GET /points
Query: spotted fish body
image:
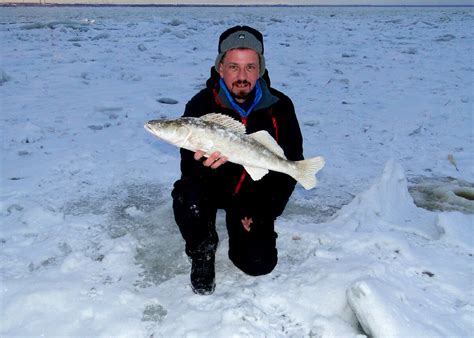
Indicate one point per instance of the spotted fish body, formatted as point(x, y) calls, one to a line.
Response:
point(257, 152)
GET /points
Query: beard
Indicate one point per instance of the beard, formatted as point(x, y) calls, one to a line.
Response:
point(241, 93)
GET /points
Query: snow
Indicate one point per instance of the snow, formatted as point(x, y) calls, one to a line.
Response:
point(382, 247)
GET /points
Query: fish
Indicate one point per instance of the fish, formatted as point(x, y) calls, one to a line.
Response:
point(257, 152)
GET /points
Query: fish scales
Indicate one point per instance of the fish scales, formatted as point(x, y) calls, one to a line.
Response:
point(236, 147)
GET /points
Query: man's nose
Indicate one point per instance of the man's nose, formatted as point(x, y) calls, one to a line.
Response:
point(242, 74)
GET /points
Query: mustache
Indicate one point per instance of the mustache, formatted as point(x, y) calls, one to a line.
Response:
point(241, 82)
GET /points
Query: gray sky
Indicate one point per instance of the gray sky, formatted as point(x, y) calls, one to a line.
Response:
point(343, 2)
point(269, 2)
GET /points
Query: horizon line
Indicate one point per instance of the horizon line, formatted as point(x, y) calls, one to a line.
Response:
point(58, 4)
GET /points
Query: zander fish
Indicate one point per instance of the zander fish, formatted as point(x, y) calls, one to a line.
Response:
point(257, 152)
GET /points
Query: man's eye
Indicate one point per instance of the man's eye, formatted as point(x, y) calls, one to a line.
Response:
point(251, 67)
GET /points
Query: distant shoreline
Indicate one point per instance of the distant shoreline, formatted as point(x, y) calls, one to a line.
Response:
point(36, 4)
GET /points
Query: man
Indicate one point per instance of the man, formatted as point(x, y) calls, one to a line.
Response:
point(239, 87)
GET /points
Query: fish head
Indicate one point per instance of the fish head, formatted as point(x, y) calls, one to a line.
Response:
point(171, 131)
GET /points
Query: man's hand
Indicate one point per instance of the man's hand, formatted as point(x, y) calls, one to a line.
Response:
point(214, 161)
point(246, 222)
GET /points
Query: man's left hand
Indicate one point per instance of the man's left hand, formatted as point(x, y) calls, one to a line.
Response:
point(246, 222)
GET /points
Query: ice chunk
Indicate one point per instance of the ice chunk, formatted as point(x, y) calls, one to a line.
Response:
point(167, 100)
point(384, 311)
point(101, 36)
point(4, 77)
point(456, 228)
point(445, 38)
point(387, 204)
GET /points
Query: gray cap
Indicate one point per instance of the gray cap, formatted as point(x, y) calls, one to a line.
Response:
point(241, 37)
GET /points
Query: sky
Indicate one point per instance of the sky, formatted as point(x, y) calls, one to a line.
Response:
point(260, 2)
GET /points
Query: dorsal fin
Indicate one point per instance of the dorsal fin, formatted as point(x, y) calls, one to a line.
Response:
point(269, 142)
point(225, 121)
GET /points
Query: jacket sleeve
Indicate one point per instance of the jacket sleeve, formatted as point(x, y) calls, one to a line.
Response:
point(191, 168)
point(268, 197)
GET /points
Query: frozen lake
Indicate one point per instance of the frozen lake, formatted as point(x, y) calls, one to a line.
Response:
point(88, 242)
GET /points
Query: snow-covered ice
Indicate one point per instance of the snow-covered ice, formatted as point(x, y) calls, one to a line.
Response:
point(383, 247)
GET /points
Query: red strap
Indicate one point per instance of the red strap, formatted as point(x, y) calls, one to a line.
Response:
point(244, 121)
point(275, 124)
point(216, 97)
point(244, 173)
point(239, 185)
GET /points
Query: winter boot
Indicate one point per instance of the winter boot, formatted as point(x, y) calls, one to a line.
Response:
point(203, 274)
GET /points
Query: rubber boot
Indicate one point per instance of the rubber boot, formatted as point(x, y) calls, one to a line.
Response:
point(203, 274)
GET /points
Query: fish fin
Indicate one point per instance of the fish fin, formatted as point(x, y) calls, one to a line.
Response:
point(264, 138)
point(256, 173)
point(224, 121)
point(307, 170)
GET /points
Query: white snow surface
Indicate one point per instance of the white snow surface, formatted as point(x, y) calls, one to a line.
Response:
point(89, 247)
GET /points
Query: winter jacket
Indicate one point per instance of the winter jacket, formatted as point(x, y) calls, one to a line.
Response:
point(274, 113)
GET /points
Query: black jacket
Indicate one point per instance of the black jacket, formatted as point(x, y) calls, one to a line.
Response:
point(274, 113)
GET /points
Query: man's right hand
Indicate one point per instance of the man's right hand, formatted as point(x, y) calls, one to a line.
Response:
point(214, 161)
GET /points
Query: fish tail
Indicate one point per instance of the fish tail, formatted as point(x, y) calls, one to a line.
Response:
point(307, 169)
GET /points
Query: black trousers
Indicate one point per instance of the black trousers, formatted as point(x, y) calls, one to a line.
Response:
point(195, 207)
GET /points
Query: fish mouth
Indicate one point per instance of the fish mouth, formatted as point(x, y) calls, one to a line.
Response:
point(149, 126)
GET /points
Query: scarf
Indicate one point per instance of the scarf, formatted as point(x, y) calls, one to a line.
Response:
point(244, 113)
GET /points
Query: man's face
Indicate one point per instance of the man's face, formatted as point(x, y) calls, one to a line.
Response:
point(240, 69)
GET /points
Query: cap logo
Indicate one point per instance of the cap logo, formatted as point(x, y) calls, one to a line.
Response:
point(241, 36)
